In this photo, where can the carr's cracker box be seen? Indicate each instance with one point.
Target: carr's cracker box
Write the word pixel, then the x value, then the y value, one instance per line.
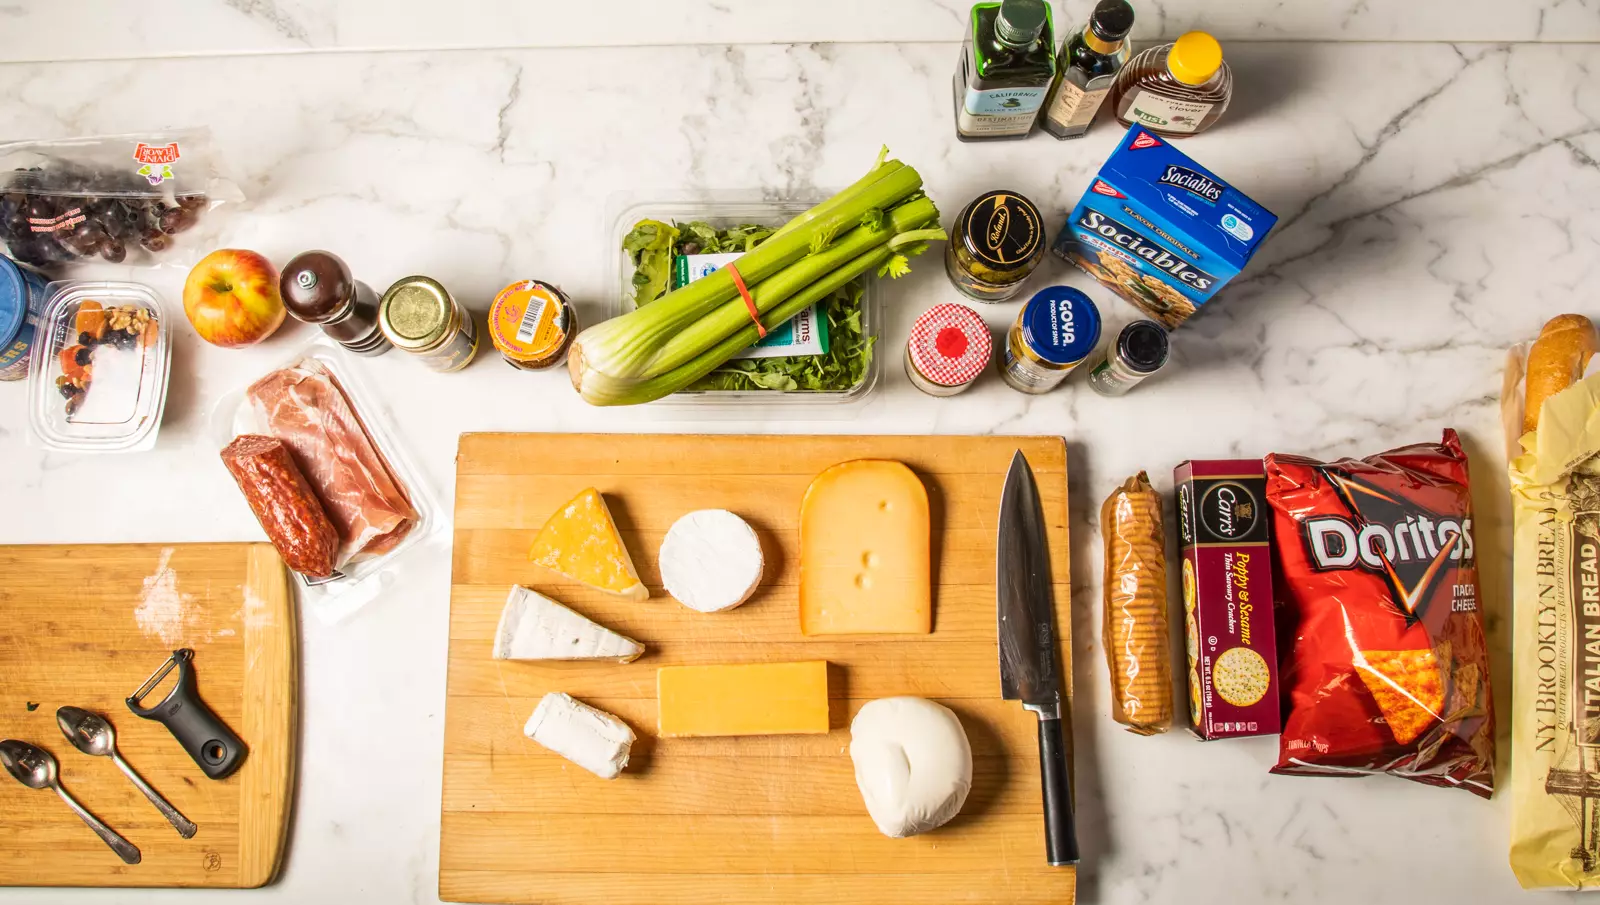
pixel 1160 230
pixel 1224 529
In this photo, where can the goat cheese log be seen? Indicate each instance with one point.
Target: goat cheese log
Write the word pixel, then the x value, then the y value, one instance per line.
pixel 284 503
pixel 1136 634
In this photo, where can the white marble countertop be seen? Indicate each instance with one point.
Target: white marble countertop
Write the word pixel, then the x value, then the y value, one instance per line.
pixel 1437 201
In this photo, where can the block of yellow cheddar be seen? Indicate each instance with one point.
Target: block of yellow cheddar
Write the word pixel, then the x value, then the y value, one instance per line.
pixel 581 542
pixel 864 551
pixel 743 699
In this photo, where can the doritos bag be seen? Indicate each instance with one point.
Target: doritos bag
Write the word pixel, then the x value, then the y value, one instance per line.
pixel 1384 664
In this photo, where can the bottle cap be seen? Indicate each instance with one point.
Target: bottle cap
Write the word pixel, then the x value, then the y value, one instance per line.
pixel 1142 346
pixel 1019 22
pixel 1194 58
pixel 1061 325
pixel 950 345
pixel 1001 229
pixel 1111 20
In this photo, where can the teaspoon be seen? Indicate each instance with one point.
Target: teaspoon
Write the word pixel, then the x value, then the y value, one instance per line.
pixel 92 733
pixel 35 768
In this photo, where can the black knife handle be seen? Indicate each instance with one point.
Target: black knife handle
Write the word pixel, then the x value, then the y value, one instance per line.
pixel 1060 830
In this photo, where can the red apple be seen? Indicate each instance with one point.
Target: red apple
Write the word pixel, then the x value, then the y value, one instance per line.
pixel 231 298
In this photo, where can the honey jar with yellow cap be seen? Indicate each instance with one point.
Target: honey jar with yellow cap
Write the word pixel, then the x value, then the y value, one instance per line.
pixel 531 324
pixel 1174 89
pixel 420 316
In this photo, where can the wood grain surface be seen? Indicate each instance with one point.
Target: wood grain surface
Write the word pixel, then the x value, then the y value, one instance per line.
pixel 759 820
pixel 84 625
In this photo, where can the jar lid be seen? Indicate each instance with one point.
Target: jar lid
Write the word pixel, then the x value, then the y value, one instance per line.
pixel 13 301
pixel 416 313
pixel 1020 22
pixel 1061 325
pixel 530 321
pixel 1143 346
pixel 1001 229
pixel 950 345
pixel 1111 20
pixel 1194 58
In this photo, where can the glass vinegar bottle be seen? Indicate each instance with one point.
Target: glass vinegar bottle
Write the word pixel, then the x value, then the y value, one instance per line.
pixel 1174 89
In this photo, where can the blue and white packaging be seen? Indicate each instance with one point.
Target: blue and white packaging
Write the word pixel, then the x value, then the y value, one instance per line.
pixel 1160 230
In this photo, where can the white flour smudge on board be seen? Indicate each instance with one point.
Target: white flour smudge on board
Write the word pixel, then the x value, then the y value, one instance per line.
pixel 162 609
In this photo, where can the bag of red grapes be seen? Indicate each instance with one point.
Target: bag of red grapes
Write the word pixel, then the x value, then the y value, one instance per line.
pixel 109 198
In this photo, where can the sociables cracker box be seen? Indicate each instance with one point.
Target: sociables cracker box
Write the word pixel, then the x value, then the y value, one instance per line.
pixel 1160 230
pixel 1225 527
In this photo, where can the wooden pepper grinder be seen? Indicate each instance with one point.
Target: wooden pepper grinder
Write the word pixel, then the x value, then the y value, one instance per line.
pixel 317 288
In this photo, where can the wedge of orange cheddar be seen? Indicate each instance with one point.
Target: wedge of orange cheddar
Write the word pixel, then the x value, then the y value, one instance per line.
pixel 581 542
pixel 864 564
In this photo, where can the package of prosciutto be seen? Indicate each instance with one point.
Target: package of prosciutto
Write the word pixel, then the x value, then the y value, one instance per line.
pixel 1385 668
pixel 376 502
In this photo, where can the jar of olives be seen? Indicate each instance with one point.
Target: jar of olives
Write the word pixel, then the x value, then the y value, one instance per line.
pixel 998 241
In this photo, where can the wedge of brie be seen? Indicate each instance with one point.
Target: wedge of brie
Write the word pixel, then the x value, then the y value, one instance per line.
pixel 592 739
pixel 534 627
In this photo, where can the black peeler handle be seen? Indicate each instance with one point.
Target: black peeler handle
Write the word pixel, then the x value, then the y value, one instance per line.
pixel 214 747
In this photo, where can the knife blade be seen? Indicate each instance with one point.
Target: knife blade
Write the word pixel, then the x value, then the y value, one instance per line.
pixel 1030 669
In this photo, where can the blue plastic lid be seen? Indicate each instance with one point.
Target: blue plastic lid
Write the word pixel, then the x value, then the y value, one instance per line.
pixel 13 301
pixel 1061 325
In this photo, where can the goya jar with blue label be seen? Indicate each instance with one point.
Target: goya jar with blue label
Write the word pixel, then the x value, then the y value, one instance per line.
pixel 21 302
pixel 1057 329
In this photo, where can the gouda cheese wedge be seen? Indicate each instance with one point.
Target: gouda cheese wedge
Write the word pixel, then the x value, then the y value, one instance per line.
pixel 864 551
pixel 746 699
pixel 581 542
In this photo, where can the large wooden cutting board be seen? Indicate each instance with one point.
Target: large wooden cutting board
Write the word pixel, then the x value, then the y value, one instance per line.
pixel 84 625
pixel 757 821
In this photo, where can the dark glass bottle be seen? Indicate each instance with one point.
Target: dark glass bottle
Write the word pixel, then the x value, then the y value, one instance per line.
pixel 1007 62
pixel 1086 67
pixel 317 288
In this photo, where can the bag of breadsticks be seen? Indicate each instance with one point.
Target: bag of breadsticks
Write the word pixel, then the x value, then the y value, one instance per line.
pixel 1552 416
pixel 1135 632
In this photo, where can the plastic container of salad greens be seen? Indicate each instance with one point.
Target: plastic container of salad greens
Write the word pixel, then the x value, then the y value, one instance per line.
pixel 848 372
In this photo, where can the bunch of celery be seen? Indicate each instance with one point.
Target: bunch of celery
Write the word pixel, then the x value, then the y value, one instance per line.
pixel 874 225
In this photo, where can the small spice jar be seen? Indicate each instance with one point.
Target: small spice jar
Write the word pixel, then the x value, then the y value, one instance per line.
pixel 998 241
pixel 317 288
pixel 419 315
pixel 1140 350
pixel 949 347
pixel 1055 331
pixel 532 324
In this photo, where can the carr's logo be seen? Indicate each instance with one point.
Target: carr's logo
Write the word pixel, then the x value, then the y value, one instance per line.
pixel 1103 188
pixel 157 161
pixel 1144 140
pixel 1193 183
pixel 1228 510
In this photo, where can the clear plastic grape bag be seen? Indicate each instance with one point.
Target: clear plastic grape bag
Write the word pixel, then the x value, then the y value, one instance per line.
pixel 111 198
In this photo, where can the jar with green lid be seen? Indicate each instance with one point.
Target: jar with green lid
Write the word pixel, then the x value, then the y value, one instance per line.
pixel 997 243
pixel 420 316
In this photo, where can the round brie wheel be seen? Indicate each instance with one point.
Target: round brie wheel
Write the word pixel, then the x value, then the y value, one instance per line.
pixel 711 560
pixel 913 764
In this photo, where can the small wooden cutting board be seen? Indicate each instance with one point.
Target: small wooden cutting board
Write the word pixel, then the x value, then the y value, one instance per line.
pixel 85 625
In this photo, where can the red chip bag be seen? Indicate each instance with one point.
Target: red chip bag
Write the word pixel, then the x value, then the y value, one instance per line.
pixel 1385 667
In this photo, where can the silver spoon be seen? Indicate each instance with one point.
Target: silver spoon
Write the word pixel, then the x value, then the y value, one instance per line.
pixel 35 768
pixel 92 733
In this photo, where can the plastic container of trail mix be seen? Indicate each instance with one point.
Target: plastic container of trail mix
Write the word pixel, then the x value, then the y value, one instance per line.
pixel 97 381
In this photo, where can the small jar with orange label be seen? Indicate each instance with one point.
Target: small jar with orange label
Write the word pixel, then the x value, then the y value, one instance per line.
pixel 532 323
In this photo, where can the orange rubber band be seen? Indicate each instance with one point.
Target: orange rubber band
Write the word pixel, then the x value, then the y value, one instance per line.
pixel 749 303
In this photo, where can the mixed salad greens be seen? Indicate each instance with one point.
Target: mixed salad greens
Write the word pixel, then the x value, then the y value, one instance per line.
pixel 652 245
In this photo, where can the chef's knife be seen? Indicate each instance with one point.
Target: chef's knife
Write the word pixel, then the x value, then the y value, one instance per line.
pixel 1029 668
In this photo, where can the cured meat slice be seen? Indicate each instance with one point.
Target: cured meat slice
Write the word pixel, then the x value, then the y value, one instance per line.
pixel 304 406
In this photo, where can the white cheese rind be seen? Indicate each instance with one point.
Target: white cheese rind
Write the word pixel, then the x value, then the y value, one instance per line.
pixel 534 627
pixel 913 764
pixel 591 738
pixel 711 560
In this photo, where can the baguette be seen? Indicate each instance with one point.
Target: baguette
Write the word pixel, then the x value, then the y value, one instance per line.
pixel 1135 633
pixel 1556 361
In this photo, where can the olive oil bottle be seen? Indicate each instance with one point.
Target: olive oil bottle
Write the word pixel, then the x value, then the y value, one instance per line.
pixel 1087 65
pixel 1007 64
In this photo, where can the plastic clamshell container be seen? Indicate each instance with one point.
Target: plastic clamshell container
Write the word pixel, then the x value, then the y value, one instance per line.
pixel 732 210
pixel 124 384
pixel 364 578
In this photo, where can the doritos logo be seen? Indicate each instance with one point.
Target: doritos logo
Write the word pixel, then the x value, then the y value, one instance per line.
pixel 1388 535
pixel 1105 188
pixel 1144 140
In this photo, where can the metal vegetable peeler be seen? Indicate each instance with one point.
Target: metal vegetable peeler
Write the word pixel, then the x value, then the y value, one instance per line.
pixel 214 747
